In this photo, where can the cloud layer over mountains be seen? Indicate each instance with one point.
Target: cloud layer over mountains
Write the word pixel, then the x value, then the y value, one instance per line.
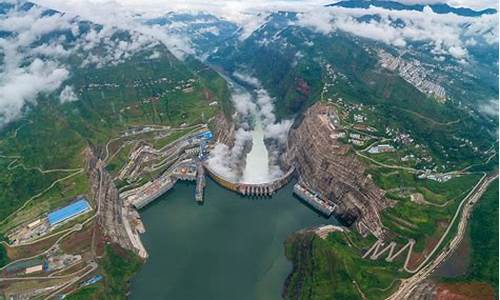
pixel 35 46
pixel 447 34
pixel 31 54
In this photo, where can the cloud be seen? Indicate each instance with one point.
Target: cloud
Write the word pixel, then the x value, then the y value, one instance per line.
pixel 474 4
pixel 247 78
pixel 445 33
pixel 490 108
pixel 21 85
pixel 242 102
pixel 67 95
pixel 28 71
pixel 226 161
pixel 278 131
pixel 259 107
pixel 37 45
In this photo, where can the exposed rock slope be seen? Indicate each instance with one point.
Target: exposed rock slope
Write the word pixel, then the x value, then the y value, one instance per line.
pixel 328 167
pixel 104 192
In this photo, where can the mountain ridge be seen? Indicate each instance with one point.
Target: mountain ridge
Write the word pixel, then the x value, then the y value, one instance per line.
pixel 439 8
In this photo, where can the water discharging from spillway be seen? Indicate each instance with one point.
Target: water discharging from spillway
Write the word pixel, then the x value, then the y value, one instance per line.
pixel 257 162
pixel 255 122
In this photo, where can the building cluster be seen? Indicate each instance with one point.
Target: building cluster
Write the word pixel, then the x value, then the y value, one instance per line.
pixel 382 148
pixel 61 261
pixel 466 143
pixel 331 76
pixel 357 139
pixel 187 169
pixel 413 73
pixel 53 260
pixel 399 137
pixel 186 86
pixel 143 129
pixel 359 118
pixel 40 227
pixel 135 84
pixel 439 177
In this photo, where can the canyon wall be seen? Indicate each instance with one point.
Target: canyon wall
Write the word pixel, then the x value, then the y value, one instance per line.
pixel 330 168
pixel 109 205
pixel 223 129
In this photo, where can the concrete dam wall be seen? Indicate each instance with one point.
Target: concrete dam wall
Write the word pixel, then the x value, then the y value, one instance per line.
pixel 251 189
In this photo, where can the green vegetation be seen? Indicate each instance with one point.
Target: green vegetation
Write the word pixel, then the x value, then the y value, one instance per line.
pixel 117 268
pixel 60 194
pixel 334 269
pixel 483 231
pixel 120 159
pixel 423 222
pixel 4 259
pixel 484 238
pixel 84 294
pixel 433 191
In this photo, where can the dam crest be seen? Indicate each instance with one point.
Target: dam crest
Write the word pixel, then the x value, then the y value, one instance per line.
pixel 251 189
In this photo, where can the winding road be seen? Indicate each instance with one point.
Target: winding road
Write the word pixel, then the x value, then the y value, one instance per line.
pixel 424 271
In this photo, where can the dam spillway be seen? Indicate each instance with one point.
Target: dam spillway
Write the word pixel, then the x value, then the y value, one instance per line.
pixel 251 189
pixel 247 167
pixel 257 160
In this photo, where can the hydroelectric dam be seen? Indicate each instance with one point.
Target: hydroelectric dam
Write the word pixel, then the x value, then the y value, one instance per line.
pixel 251 189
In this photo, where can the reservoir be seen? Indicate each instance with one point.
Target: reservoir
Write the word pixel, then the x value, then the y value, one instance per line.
pixel 232 247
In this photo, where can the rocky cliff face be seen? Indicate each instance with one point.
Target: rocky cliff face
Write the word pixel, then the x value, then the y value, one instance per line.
pixel 224 130
pixel 109 204
pixel 329 168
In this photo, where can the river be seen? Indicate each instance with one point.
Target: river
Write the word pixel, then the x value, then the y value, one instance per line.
pixel 257 160
pixel 229 248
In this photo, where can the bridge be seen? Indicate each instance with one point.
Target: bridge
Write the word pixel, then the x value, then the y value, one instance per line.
pixel 251 189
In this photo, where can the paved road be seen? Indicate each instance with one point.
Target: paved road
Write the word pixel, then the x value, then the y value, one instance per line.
pixel 408 285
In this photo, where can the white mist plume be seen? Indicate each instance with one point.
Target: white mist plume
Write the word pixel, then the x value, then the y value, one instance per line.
pixel 226 161
pixel 490 108
pixel 68 95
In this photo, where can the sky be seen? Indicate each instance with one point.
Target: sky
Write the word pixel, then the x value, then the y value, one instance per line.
pixel 233 10
pixel 29 71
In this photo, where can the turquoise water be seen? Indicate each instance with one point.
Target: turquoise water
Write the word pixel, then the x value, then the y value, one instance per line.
pixel 229 248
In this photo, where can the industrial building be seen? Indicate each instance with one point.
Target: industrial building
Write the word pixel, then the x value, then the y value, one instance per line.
pixel 68 212
pixel 206 135
pixel 314 200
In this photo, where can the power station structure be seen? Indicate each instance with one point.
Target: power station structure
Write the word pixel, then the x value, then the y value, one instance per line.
pixel 251 189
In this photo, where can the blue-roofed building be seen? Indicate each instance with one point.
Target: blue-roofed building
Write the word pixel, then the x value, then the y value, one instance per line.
pixel 68 212
pixel 206 135
pixel 92 280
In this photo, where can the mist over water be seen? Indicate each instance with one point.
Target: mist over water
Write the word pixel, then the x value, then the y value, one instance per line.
pixel 257 107
pixel 257 163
